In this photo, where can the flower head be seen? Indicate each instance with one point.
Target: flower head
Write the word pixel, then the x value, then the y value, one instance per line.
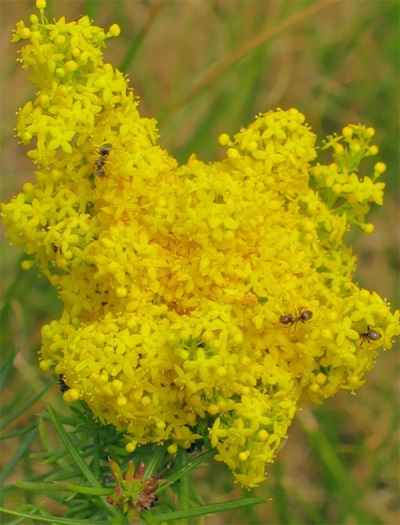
pixel 201 300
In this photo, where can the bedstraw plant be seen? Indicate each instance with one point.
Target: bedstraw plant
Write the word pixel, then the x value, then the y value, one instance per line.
pixel 203 303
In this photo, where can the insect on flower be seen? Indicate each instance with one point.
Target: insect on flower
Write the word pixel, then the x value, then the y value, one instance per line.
pixel 370 335
pixel 104 151
pixel 304 316
pixel 61 383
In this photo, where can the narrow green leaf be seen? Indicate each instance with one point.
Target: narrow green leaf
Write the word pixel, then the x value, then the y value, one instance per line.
pixel 183 487
pixel 15 522
pixel 42 487
pixel 53 520
pixel 91 8
pixel 43 433
pixel 96 455
pixel 10 464
pixel 210 509
pixel 23 408
pixel 75 454
pixel 191 465
pixel 120 519
pixel 16 433
pixel 79 489
pixel 12 291
pixel 311 511
pixel 280 498
pixel 138 39
pixel 6 368
pixel 153 465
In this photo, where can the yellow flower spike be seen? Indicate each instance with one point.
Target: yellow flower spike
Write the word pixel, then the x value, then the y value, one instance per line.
pixel 185 287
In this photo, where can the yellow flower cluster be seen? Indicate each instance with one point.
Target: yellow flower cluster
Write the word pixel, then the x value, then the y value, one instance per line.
pixel 202 301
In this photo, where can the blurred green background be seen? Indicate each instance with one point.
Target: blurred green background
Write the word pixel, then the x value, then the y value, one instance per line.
pixel 203 67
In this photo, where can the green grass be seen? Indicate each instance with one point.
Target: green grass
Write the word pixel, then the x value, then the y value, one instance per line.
pixel 202 68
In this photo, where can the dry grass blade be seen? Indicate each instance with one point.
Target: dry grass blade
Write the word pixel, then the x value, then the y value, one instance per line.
pixel 219 68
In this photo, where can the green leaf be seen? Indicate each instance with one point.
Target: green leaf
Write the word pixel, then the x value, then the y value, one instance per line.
pixel 42 487
pixel 210 509
pixel 16 433
pixel 153 464
pixel 60 485
pixel 23 408
pixel 79 489
pixel 10 464
pixel 6 368
pixel 137 40
pixel 53 520
pixel 75 454
pixel 190 465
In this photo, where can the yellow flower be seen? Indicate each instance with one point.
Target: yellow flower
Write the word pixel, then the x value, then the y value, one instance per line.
pixel 202 300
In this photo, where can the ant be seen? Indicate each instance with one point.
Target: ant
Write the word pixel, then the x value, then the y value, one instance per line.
pixel 370 335
pixel 104 151
pixel 289 320
pixel 61 383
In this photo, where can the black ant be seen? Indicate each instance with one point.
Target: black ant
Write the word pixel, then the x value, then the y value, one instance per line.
pixel 289 320
pixel 370 335
pixel 104 151
pixel 61 383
